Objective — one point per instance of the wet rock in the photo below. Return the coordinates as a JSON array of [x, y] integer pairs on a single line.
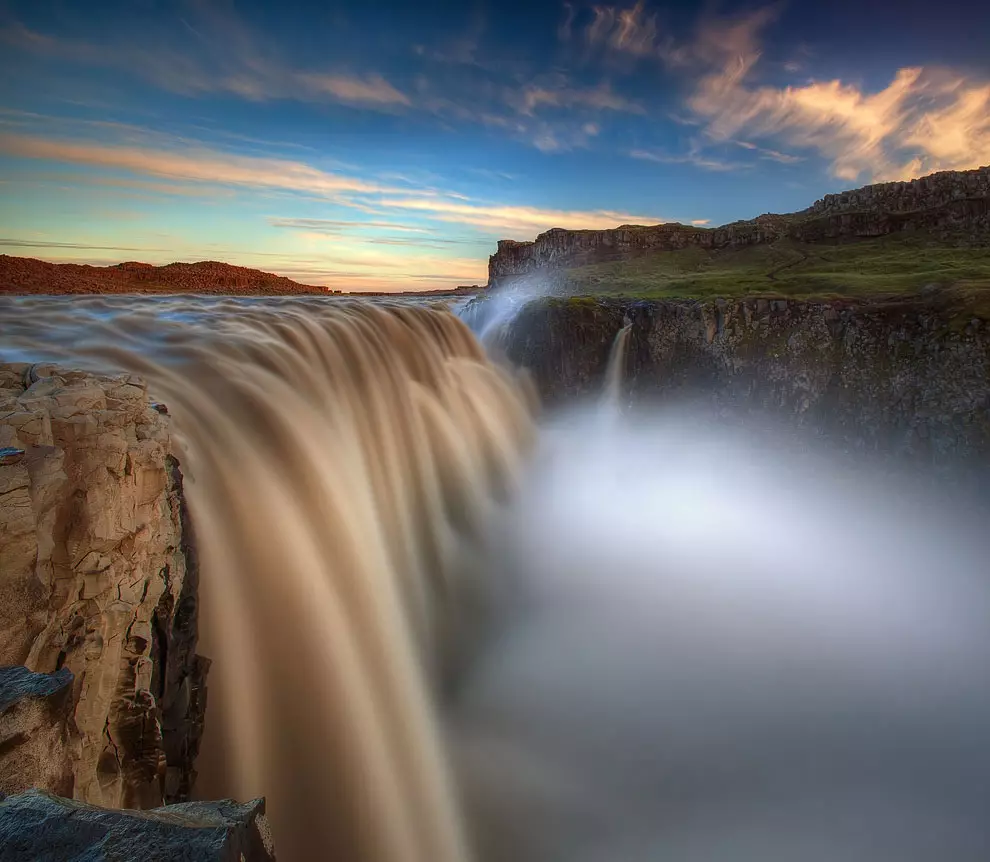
[[38, 827], [10, 456], [857, 374]]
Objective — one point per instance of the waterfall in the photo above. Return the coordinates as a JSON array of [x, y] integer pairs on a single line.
[[614, 371], [442, 633], [341, 460]]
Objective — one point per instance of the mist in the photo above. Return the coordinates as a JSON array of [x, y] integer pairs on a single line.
[[726, 645]]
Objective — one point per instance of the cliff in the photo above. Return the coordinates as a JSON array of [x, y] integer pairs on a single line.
[[908, 379], [955, 203], [98, 579]]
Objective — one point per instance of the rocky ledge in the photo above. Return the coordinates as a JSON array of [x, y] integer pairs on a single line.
[[98, 585], [953, 203], [38, 827], [909, 378]]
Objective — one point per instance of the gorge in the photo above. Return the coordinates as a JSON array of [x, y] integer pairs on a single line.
[[435, 597]]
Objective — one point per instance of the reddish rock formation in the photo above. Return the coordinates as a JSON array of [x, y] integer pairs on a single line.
[[952, 201], [23, 275]]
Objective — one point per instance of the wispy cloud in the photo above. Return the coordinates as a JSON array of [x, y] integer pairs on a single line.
[[534, 96], [372, 90], [693, 157], [29, 243], [194, 164], [388, 205], [228, 59], [335, 225], [923, 120], [771, 155], [524, 220]]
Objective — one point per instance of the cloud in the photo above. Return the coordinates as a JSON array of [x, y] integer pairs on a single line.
[[127, 183], [532, 97], [693, 157], [373, 90], [389, 206], [335, 225], [29, 243], [230, 59], [194, 164], [924, 120], [525, 220], [771, 155], [630, 34]]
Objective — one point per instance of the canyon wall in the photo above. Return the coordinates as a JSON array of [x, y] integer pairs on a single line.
[[910, 379], [951, 202], [98, 585]]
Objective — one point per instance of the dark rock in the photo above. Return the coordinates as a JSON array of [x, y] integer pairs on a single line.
[[38, 827], [857, 375], [10, 456], [35, 723]]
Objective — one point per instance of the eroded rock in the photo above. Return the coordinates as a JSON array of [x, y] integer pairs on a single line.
[[97, 576]]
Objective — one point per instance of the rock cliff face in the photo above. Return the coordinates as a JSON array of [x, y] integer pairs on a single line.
[[956, 202], [97, 578], [910, 379]]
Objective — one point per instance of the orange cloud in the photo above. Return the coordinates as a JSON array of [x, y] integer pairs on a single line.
[[196, 164], [525, 220], [924, 120]]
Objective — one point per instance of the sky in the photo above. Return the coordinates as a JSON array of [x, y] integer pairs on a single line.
[[387, 145]]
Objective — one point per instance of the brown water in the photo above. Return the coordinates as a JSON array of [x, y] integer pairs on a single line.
[[341, 459], [442, 633]]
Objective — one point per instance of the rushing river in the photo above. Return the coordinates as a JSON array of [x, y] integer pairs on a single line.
[[445, 628]]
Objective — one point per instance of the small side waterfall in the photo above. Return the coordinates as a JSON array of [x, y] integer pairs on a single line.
[[615, 370]]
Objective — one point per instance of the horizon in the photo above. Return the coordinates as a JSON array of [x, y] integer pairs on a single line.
[[376, 148]]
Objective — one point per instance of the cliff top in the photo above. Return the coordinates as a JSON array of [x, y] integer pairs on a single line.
[[897, 196]]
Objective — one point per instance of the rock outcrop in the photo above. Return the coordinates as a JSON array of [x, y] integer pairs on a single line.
[[98, 579], [951, 202], [38, 827], [907, 378]]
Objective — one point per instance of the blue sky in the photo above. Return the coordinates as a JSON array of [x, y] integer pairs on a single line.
[[389, 145]]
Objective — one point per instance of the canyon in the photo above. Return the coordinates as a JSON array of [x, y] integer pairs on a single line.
[[103, 697]]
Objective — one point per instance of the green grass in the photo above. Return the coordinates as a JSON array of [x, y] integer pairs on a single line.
[[889, 266]]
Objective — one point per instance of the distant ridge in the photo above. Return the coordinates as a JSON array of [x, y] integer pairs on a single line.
[[25, 275]]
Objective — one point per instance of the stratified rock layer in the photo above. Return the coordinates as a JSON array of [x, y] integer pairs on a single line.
[[954, 203], [38, 827], [97, 577], [908, 378]]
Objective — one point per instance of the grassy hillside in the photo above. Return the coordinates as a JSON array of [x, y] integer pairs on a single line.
[[890, 265]]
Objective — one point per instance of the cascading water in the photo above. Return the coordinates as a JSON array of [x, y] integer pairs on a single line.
[[614, 371], [700, 643], [342, 460]]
